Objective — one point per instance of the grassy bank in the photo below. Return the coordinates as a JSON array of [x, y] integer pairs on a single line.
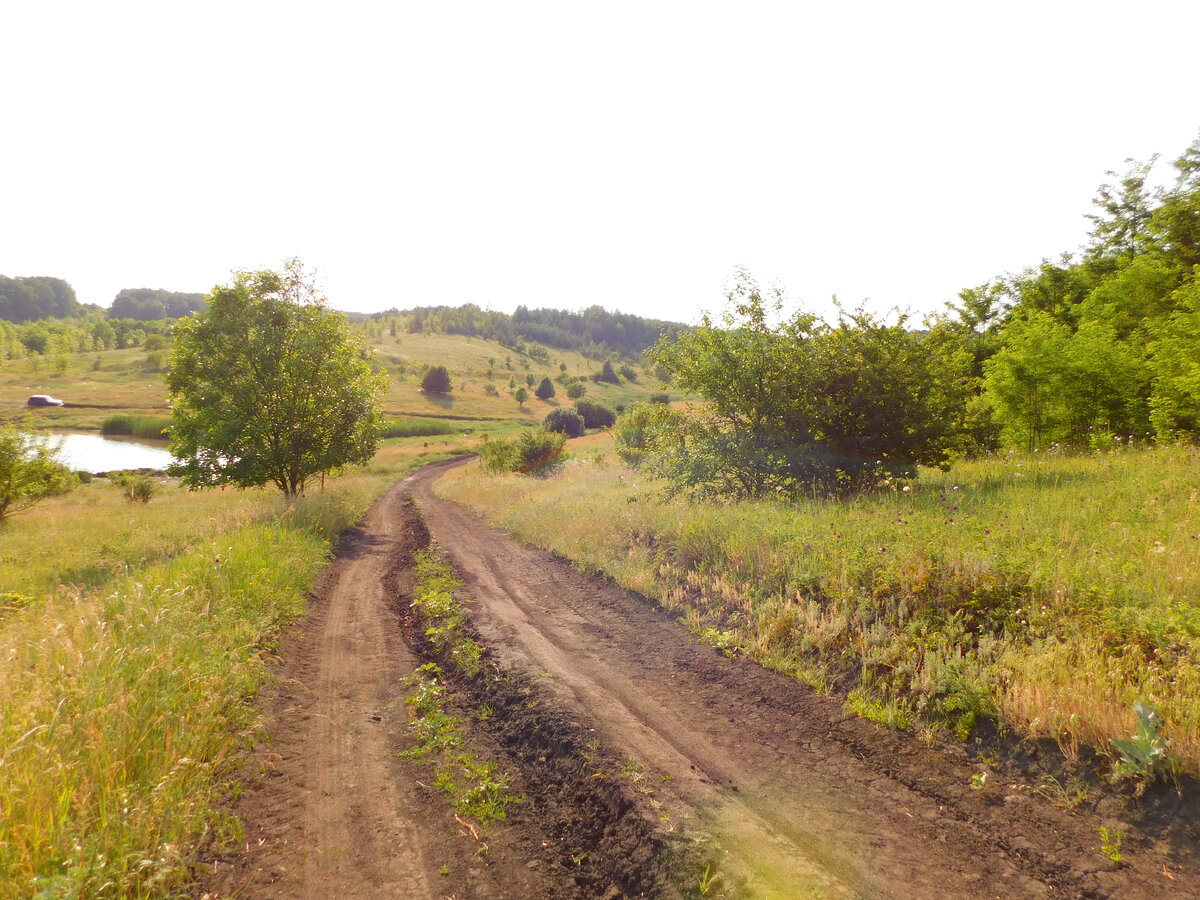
[[1048, 592], [133, 638]]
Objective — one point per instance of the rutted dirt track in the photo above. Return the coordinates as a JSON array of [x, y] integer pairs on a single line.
[[639, 751]]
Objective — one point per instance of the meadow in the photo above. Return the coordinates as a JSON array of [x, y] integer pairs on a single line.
[[133, 640], [1047, 592], [135, 636], [105, 384]]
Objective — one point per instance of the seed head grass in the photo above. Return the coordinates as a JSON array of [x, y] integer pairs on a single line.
[[1049, 592], [133, 640]]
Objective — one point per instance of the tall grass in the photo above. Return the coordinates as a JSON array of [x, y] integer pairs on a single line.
[[418, 426], [148, 427], [1048, 592], [126, 689]]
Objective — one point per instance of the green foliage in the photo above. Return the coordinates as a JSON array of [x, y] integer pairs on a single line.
[[149, 304], [1048, 383], [802, 406], [645, 429], [1110, 843], [476, 787], [527, 453], [595, 414], [564, 420], [545, 390], [1175, 362], [124, 704], [417, 426], [607, 374], [593, 332], [628, 373], [269, 387], [148, 427], [37, 297], [575, 390], [436, 381], [1144, 754], [30, 470], [660, 398], [521, 396], [138, 488], [1101, 346]]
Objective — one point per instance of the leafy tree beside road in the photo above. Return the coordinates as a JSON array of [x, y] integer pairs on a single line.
[[269, 387], [801, 405]]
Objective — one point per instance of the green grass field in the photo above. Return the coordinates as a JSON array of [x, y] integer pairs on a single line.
[[1047, 592], [99, 385], [133, 637]]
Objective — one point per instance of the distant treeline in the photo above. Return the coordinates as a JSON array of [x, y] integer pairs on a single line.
[[595, 332], [37, 297], [32, 298], [148, 305], [59, 338]]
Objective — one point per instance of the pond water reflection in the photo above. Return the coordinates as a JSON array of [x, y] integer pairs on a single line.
[[91, 452]]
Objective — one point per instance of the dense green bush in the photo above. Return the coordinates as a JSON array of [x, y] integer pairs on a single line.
[[545, 390], [801, 406], [564, 420], [576, 390], [30, 470], [436, 380], [138, 488], [644, 429], [595, 415], [660, 398], [525, 454]]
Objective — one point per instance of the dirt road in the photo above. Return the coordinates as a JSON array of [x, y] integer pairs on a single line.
[[642, 755]]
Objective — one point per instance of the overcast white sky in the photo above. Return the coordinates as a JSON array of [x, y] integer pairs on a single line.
[[566, 154]]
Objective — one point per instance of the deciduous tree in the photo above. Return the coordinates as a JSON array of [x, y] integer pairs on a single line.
[[268, 387], [30, 470]]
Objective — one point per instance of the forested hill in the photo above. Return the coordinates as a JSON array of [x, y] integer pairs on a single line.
[[593, 332], [30, 299], [37, 297]]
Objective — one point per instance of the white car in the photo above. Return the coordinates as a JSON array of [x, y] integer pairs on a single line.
[[42, 400]]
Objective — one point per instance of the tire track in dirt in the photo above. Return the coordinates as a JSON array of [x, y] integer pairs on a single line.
[[803, 801], [330, 808], [772, 770]]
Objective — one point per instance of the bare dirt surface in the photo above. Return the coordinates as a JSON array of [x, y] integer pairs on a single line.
[[644, 758]]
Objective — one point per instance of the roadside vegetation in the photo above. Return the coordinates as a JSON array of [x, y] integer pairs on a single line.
[[133, 639], [993, 517], [138, 619], [1050, 592], [476, 788], [130, 651]]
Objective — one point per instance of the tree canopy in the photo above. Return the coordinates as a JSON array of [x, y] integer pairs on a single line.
[[37, 297], [801, 405], [148, 304], [268, 387]]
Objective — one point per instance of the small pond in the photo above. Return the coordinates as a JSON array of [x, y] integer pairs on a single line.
[[91, 452]]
